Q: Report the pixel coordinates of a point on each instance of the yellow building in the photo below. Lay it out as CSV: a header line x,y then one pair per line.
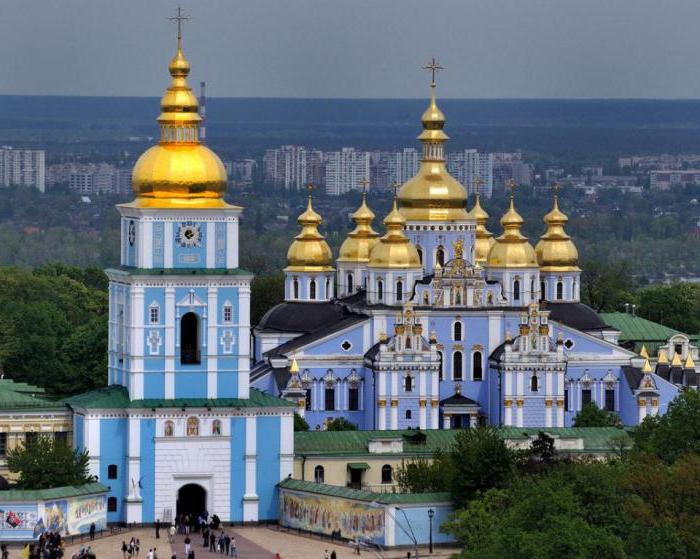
x,y
25,414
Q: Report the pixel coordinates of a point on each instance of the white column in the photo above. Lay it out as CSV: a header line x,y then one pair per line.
x,y
91,436
243,340
642,409
250,499
145,253
519,412
286,446
134,502
446,421
169,342
394,414
547,412
560,413
211,245
137,341
232,244
508,412
168,237
212,330
435,412
381,415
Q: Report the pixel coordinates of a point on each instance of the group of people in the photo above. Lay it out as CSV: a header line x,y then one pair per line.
x,y
223,543
190,523
132,549
48,546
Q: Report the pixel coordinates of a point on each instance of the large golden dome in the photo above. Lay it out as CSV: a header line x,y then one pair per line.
x,y
512,249
309,252
433,194
394,249
360,242
484,238
179,171
556,251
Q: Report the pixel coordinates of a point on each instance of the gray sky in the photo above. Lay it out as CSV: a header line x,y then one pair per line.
x,y
356,48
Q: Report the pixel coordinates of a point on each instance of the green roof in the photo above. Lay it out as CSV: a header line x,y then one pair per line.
x,y
19,396
358,466
14,495
117,397
182,271
640,331
356,443
360,495
23,387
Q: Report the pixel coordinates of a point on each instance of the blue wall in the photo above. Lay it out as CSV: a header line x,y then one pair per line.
x,y
268,465
148,468
237,467
113,436
420,524
78,431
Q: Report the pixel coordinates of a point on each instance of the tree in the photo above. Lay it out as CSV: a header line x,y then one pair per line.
x,y
422,475
340,424
47,463
606,287
480,460
674,434
266,292
592,416
300,424
677,306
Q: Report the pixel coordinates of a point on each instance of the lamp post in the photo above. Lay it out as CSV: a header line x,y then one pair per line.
x,y
431,514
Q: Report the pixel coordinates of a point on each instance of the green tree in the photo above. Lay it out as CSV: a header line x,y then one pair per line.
x,y
480,460
266,292
592,416
340,424
606,287
300,424
676,306
48,462
421,475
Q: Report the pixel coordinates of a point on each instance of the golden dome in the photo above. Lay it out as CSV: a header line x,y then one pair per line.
x,y
556,251
179,171
433,194
360,242
484,238
512,249
309,252
394,249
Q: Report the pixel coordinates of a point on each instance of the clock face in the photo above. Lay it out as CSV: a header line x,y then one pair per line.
x,y
188,235
132,233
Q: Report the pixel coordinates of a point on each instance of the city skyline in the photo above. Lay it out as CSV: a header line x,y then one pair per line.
x,y
506,49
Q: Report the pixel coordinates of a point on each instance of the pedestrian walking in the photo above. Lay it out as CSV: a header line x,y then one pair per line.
x,y
124,548
157,529
234,549
212,541
171,534
92,531
333,555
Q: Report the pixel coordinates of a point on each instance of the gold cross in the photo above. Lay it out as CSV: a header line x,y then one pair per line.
x,y
395,188
364,183
310,188
179,18
512,185
477,184
556,187
433,66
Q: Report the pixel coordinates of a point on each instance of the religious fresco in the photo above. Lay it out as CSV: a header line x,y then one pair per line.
x,y
19,521
56,513
326,515
84,511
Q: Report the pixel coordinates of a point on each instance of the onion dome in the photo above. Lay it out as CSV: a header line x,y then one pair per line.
x,y
309,252
179,171
484,238
556,251
394,249
360,242
643,352
689,363
662,359
511,249
433,194
676,361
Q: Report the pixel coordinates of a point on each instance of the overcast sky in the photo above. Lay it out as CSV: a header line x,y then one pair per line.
x,y
356,48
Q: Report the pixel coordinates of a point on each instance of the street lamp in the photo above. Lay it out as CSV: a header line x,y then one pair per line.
x,y
431,514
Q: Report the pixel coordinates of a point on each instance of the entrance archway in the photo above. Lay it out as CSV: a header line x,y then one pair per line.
x,y
191,499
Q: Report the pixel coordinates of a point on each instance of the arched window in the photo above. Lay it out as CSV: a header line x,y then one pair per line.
x,y
560,291
534,383
216,427
458,331
328,288
420,254
319,474
350,282
441,365
399,290
169,429
408,414
295,287
516,290
543,291
477,368
440,256
532,289
457,365
192,426
112,504
189,339
408,383
387,474
112,471
408,342
312,289
380,290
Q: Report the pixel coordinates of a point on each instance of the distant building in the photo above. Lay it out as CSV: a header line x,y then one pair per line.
x,y
345,170
243,170
23,167
553,175
466,165
292,166
510,166
389,167
665,180
101,178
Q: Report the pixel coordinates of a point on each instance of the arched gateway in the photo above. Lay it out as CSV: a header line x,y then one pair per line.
x,y
191,499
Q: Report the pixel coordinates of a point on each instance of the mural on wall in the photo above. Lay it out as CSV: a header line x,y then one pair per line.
x,y
84,511
19,521
326,515
56,513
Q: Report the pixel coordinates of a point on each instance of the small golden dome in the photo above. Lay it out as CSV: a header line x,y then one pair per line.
x,y
394,249
512,249
484,238
433,194
359,243
556,251
309,252
179,171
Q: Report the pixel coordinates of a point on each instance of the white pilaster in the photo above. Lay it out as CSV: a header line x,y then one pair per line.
x,y
250,499
519,414
286,446
435,419
168,239
212,330
446,421
134,502
243,340
508,413
211,244
91,436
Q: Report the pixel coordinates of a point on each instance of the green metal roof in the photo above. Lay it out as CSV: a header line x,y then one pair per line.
x,y
24,387
640,330
18,396
183,271
358,466
360,495
15,495
117,397
356,443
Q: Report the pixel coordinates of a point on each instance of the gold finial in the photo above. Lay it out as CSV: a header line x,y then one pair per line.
x,y
662,358
179,18
646,368
556,187
294,367
511,185
364,185
395,187
676,361
434,67
477,184
689,363
643,352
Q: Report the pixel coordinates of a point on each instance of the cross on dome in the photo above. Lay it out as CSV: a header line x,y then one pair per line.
x,y
511,186
477,184
434,67
364,184
179,18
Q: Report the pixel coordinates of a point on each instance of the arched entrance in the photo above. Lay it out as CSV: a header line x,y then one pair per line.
x,y
191,499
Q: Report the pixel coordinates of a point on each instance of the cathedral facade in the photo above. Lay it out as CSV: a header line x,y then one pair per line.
x,y
179,429
437,324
